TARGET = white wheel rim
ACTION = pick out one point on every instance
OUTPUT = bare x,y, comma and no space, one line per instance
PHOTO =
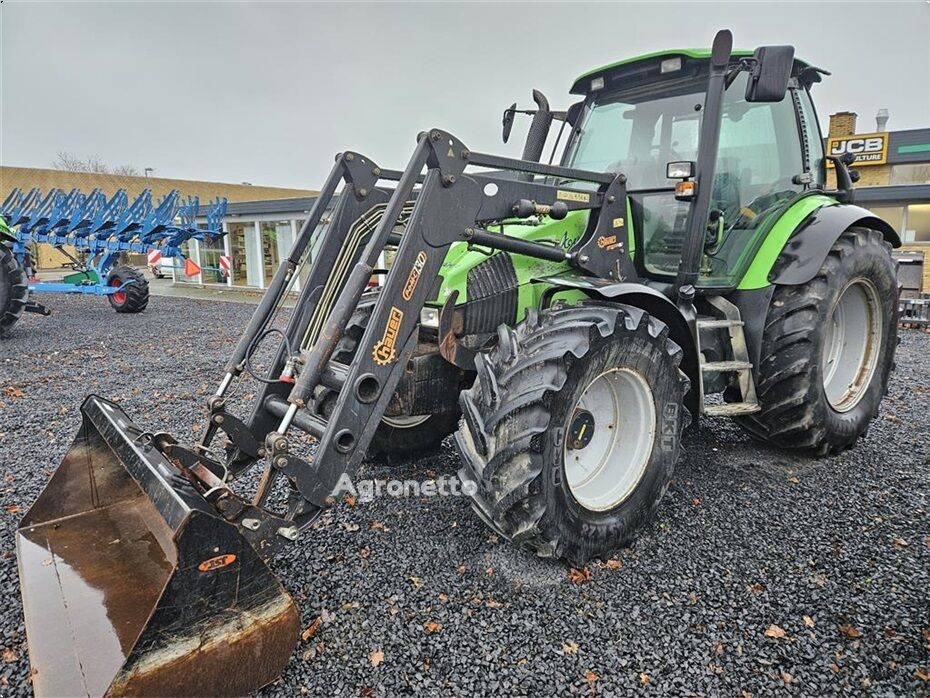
851,345
405,422
606,470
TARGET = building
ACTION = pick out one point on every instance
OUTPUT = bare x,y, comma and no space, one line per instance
26,178
894,178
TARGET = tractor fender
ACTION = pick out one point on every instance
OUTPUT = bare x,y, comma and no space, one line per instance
809,245
653,302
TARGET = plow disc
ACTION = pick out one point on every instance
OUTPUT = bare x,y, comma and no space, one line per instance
132,585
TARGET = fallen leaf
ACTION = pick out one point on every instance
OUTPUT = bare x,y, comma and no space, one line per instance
366,691
644,678
46,562
432,626
786,677
794,480
590,676
613,564
819,579
378,526
195,427
489,571
443,596
696,502
416,582
311,629
10,391
350,500
866,682
850,631
494,604
350,605
12,508
579,576
376,657
570,647
775,632
364,553
756,588
808,621
718,647
899,543
9,655
922,673
835,668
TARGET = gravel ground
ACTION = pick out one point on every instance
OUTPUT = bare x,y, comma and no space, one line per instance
764,572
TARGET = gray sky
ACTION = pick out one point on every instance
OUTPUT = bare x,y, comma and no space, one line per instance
268,92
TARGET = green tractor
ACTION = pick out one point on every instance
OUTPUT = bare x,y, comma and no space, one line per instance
567,321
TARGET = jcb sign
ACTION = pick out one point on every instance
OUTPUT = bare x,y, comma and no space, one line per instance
869,148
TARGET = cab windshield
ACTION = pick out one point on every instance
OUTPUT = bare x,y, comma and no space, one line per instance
638,131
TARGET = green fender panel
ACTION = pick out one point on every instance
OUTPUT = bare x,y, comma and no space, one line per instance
798,243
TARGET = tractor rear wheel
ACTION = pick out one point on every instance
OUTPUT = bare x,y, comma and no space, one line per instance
571,430
828,349
134,297
14,289
402,438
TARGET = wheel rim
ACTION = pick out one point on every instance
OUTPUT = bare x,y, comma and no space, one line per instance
405,422
851,345
604,465
120,296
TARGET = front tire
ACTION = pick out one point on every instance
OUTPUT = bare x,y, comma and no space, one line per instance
525,436
828,349
134,297
14,289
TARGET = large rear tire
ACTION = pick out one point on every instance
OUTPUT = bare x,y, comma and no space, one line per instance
572,428
397,439
828,349
14,289
134,297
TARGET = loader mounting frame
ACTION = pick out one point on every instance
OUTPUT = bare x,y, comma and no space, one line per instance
434,209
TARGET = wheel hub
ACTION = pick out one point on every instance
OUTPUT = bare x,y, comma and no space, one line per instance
581,430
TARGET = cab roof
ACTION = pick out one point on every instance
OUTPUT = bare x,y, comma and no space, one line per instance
582,82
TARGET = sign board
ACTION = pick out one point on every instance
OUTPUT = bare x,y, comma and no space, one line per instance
869,148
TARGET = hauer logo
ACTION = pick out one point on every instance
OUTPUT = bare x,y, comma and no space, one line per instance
869,148
385,350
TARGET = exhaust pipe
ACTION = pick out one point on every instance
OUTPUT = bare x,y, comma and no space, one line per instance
539,130
132,584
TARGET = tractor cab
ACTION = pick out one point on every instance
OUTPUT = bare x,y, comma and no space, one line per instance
643,117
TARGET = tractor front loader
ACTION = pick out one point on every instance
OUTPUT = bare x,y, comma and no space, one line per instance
569,320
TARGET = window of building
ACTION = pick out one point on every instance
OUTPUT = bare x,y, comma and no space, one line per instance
246,255
917,227
211,249
911,173
893,214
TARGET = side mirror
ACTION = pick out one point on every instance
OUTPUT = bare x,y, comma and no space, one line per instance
508,121
768,81
573,115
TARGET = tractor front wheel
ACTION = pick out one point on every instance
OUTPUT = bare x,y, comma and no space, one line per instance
14,289
402,438
133,297
828,348
571,430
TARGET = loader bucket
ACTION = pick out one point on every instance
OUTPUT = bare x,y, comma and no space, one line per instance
132,585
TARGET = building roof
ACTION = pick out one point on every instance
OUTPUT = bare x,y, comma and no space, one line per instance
26,178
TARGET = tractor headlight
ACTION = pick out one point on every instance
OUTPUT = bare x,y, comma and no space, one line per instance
429,317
